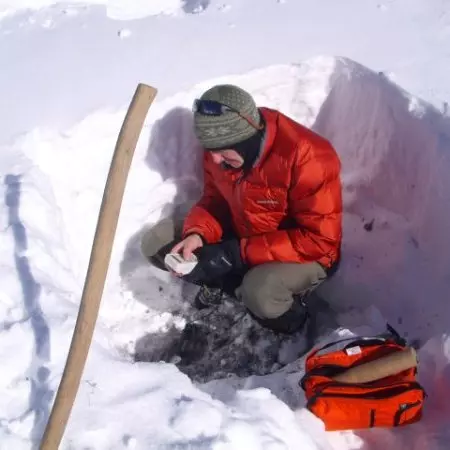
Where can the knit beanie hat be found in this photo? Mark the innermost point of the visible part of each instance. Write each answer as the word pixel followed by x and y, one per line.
pixel 229 128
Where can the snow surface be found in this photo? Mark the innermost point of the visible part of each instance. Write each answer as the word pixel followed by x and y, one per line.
pixel 115 9
pixel 67 76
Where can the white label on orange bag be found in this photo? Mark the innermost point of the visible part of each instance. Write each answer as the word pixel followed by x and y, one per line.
pixel 354 350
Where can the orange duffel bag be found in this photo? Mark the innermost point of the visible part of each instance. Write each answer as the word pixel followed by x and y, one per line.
pixel 390 401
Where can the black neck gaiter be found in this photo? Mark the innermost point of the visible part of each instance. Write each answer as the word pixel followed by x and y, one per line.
pixel 249 150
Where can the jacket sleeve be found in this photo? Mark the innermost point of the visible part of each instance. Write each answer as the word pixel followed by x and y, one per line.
pixel 315 202
pixel 209 214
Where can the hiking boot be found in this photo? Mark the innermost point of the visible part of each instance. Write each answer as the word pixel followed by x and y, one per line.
pixel 291 321
pixel 208 296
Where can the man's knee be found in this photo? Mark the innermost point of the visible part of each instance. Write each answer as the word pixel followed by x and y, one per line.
pixel 262 293
pixel 267 290
pixel 159 239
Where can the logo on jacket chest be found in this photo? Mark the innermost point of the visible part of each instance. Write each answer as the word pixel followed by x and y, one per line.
pixel 267 201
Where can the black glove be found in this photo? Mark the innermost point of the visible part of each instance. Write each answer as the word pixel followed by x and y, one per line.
pixel 216 260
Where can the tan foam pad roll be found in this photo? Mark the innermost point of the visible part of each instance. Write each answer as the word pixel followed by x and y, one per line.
pixel 380 368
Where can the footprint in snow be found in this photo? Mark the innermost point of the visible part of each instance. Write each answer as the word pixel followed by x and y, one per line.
pixel 48 23
pixel 195 6
pixel 70 12
pixel 124 33
pixel 129 441
pixel 383 7
pixel 224 7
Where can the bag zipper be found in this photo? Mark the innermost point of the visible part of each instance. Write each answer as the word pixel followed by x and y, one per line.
pixel 378 395
pixel 330 370
pixel 372 418
pixel 404 407
pixel 391 334
pixel 323 370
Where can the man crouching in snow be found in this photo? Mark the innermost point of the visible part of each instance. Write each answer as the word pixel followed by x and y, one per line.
pixel 268 226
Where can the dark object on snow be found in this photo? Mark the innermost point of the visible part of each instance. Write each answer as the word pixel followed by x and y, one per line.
pixel 224 340
pixel 208 296
pixel 291 321
pixel 369 225
pixel 193 343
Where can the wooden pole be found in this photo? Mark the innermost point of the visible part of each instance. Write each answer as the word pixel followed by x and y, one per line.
pixel 98 265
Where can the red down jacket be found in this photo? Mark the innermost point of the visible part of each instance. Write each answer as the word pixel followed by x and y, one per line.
pixel 289 206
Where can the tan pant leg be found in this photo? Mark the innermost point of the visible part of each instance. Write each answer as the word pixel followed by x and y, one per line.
pixel 267 289
pixel 158 240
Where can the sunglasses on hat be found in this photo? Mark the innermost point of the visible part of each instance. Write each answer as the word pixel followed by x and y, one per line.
pixel 214 108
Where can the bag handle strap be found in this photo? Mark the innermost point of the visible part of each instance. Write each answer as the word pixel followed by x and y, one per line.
pixel 391 332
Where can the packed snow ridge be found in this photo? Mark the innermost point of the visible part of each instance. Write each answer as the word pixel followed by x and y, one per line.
pixel 395 156
pixel 116 10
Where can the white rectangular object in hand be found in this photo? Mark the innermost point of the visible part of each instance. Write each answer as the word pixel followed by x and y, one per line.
pixel 178 264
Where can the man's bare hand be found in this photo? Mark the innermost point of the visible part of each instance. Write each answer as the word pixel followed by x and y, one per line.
pixel 188 245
